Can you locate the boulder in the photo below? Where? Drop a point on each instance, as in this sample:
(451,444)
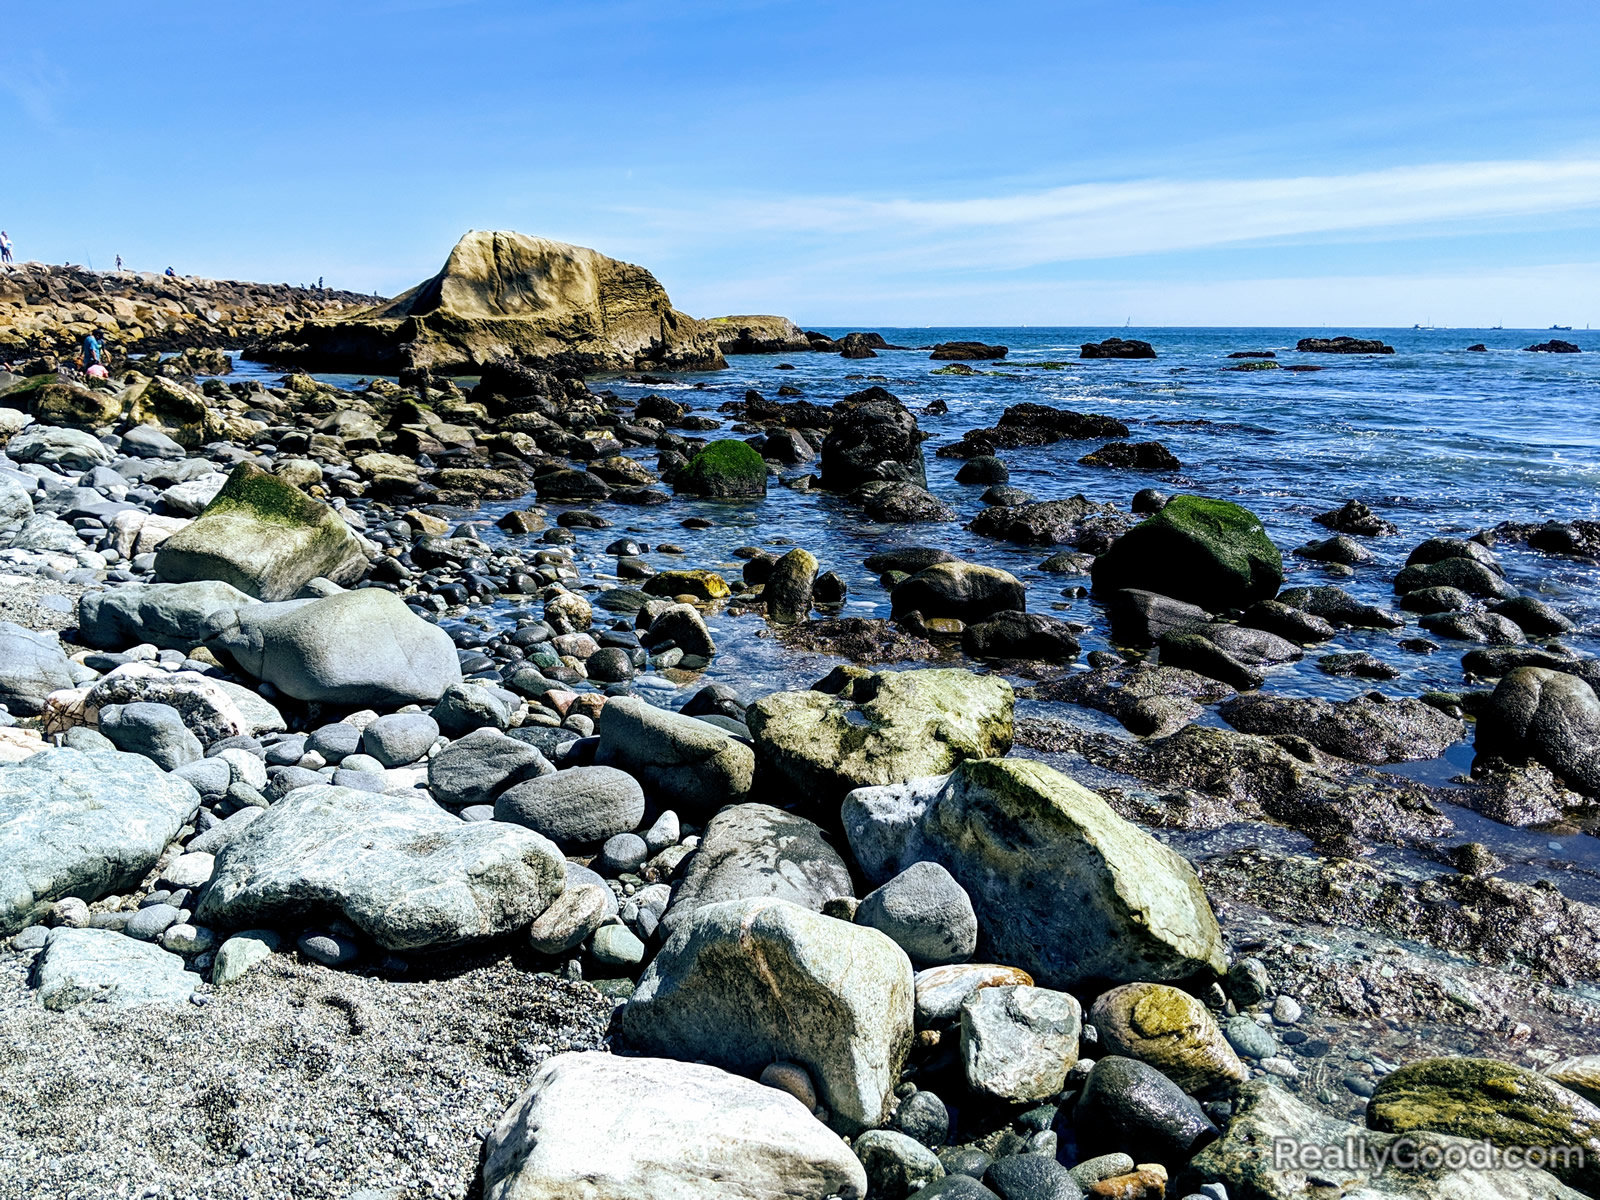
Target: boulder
(610,1128)
(762,334)
(16,505)
(1362,729)
(1548,715)
(857,729)
(959,590)
(1129,1107)
(926,913)
(1063,887)
(1021,635)
(362,647)
(398,868)
(897,1166)
(749,982)
(1343,344)
(966,352)
(1202,551)
(1115,347)
(56,447)
(102,967)
(173,616)
(32,665)
(685,763)
(1073,521)
(153,730)
(207,708)
(265,536)
(508,296)
(895,502)
(872,439)
(1170,1030)
(725,470)
(1267,1116)
(578,807)
(751,851)
(82,824)
(1019,1042)
(788,588)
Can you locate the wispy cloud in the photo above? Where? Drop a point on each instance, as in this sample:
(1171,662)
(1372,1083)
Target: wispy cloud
(1157,215)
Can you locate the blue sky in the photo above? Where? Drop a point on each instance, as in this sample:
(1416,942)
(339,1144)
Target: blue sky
(1071,163)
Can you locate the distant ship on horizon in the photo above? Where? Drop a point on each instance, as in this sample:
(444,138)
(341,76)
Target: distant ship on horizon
(1561,327)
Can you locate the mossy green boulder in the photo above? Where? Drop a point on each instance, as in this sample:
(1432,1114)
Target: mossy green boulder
(866,729)
(1207,552)
(1172,1031)
(264,536)
(51,400)
(1497,1102)
(724,470)
(701,585)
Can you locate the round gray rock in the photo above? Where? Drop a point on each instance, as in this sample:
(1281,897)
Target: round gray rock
(581,806)
(926,912)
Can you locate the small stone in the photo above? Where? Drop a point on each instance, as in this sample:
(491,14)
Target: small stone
(188,939)
(150,923)
(1248,982)
(792,1078)
(574,915)
(328,949)
(240,953)
(624,852)
(665,832)
(1286,1010)
(70,912)
(191,870)
(1249,1038)
(896,1165)
(616,946)
(923,1116)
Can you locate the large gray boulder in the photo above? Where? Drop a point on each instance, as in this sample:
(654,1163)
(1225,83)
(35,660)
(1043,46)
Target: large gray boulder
(266,537)
(361,647)
(1062,886)
(1548,715)
(605,1127)
(101,966)
(753,850)
(866,729)
(477,768)
(685,763)
(578,807)
(153,730)
(53,446)
(397,867)
(209,708)
(32,665)
(746,983)
(85,825)
(173,616)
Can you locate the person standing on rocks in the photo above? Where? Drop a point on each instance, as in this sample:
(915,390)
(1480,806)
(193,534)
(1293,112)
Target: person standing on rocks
(92,350)
(5,247)
(119,262)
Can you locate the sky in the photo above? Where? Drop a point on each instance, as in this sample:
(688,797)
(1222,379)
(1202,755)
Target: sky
(1204,162)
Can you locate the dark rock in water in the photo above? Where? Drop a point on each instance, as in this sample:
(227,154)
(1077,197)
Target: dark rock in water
(1132,1108)
(1436,600)
(1254,354)
(966,351)
(1363,729)
(1357,664)
(571,484)
(830,588)
(1469,575)
(1033,425)
(724,470)
(1339,608)
(1138,456)
(715,699)
(1208,552)
(1001,495)
(856,345)
(1479,348)
(1194,651)
(985,468)
(1554,346)
(1140,618)
(1547,715)
(1487,627)
(965,591)
(860,640)
(1533,616)
(1021,635)
(1356,518)
(1579,539)
(875,438)
(1076,521)
(1067,562)
(1291,623)
(1439,549)
(1148,699)
(1341,548)
(579,518)
(1116,347)
(909,559)
(1148,500)
(900,503)
(1342,345)
(789,585)
(1496,661)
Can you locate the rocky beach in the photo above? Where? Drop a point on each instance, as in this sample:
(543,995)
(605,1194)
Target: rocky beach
(518,740)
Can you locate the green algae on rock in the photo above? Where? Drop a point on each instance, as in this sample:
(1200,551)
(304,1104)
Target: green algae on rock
(1208,552)
(725,470)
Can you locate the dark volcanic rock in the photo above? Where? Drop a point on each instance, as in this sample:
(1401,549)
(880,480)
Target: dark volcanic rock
(1342,345)
(1021,635)
(1554,346)
(964,591)
(1366,729)
(1356,518)
(1547,715)
(966,351)
(875,439)
(1137,456)
(1033,425)
(1339,608)
(1149,700)
(1116,347)
(1077,521)
(900,503)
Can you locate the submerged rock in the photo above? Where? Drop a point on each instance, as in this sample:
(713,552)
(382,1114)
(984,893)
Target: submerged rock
(1363,729)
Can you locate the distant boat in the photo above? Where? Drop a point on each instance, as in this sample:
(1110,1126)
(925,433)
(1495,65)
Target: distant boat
(1561,327)
(1492,327)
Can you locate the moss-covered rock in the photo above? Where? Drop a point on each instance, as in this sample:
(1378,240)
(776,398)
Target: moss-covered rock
(265,536)
(1169,1029)
(863,729)
(53,401)
(724,470)
(1207,552)
(702,585)
(1498,1102)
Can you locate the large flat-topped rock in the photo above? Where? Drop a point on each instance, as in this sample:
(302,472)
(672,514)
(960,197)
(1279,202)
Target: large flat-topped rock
(510,296)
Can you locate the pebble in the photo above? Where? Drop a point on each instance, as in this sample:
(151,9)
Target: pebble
(328,949)
(188,939)
(1286,1010)
(663,833)
(792,1078)
(616,946)
(151,922)
(70,912)
(624,852)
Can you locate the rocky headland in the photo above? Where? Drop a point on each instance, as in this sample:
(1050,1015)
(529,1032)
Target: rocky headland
(350,846)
